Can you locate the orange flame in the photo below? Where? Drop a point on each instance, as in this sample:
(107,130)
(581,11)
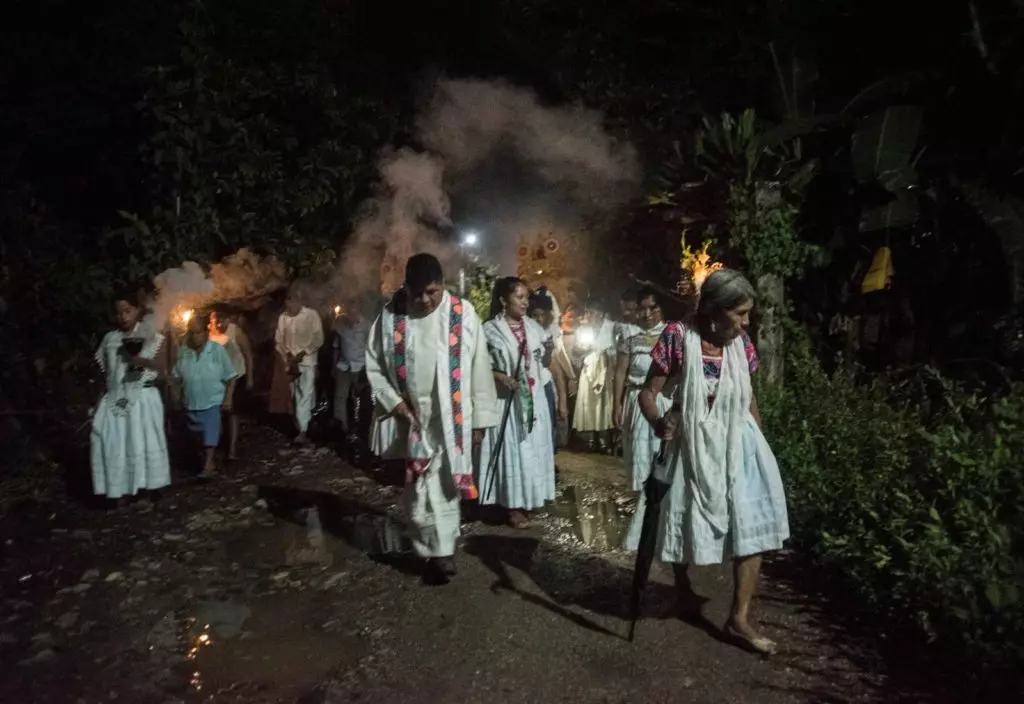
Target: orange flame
(566,322)
(696,266)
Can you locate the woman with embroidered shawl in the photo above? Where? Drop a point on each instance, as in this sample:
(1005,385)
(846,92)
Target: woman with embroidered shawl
(725,500)
(526,465)
(639,443)
(128,444)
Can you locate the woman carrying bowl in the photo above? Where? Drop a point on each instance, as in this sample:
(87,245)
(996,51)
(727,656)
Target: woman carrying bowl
(128,446)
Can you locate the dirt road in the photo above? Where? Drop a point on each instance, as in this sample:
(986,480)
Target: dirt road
(286,581)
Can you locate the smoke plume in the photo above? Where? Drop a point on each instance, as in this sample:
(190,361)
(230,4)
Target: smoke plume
(242,278)
(493,159)
(181,286)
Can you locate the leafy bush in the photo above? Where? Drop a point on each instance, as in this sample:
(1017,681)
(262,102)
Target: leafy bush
(915,498)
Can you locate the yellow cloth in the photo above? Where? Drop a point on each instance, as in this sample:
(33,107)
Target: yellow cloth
(879,276)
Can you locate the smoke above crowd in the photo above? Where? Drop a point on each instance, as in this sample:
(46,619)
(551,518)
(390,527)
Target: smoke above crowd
(491,158)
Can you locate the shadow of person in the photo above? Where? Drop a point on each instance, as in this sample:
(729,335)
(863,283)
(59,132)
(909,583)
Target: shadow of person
(587,581)
(498,553)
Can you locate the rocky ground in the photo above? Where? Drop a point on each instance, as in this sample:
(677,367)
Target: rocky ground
(288,580)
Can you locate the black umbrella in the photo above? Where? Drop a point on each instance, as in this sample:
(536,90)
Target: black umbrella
(496,452)
(654,491)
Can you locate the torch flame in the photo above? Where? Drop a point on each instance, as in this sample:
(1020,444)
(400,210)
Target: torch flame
(697,265)
(186,316)
(337,311)
(566,322)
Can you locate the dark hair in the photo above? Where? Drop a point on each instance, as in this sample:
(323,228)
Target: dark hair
(422,270)
(648,292)
(629,296)
(540,300)
(131,294)
(503,287)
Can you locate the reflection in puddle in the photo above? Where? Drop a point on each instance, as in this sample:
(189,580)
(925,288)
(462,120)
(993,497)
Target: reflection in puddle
(286,644)
(600,523)
(379,535)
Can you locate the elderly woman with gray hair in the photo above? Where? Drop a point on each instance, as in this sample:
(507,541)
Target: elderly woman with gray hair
(725,499)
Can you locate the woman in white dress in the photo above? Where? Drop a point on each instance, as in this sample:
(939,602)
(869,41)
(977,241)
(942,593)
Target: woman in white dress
(525,467)
(724,500)
(639,443)
(128,445)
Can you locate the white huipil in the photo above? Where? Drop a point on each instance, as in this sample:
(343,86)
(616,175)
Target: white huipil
(432,500)
(595,395)
(639,442)
(128,446)
(526,467)
(303,332)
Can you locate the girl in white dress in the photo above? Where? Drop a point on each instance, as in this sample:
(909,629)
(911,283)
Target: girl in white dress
(639,443)
(128,445)
(526,465)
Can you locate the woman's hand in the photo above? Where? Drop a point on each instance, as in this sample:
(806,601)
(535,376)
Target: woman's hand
(509,382)
(249,382)
(478,437)
(667,426)
(617,416)
(563,411)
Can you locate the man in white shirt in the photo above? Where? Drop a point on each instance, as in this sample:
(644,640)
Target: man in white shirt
(428,365)
(299,336)
(351,331)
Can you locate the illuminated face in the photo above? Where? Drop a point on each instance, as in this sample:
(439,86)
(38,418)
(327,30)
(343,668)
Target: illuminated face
(425,301)
(517,302)
(544,317)
(127,315)
(735,321)
(648,313)
(198,333)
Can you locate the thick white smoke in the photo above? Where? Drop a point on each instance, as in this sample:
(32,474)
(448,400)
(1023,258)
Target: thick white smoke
(508,164)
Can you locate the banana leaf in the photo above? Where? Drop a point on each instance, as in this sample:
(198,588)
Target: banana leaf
(885,142)
(901,211)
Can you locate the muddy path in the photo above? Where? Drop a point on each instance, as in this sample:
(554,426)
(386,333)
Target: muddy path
(289,580)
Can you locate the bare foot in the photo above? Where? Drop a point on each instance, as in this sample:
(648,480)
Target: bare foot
(744,633)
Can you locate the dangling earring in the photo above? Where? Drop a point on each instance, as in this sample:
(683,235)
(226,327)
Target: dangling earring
(714,326)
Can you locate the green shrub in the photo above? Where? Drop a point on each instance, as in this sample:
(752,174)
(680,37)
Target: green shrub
(916,502)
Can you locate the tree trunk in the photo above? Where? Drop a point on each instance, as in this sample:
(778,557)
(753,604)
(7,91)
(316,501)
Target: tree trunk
(771,338)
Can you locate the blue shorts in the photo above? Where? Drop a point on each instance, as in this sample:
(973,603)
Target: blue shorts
(207,423)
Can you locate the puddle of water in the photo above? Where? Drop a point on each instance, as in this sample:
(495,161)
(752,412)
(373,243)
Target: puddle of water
(598,522)
(275,641)
(379,535)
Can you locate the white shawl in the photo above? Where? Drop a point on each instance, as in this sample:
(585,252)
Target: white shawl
(712,438)
(504,348)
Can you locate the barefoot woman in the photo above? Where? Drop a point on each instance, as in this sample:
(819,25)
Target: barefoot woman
(526,462)
(726,500)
